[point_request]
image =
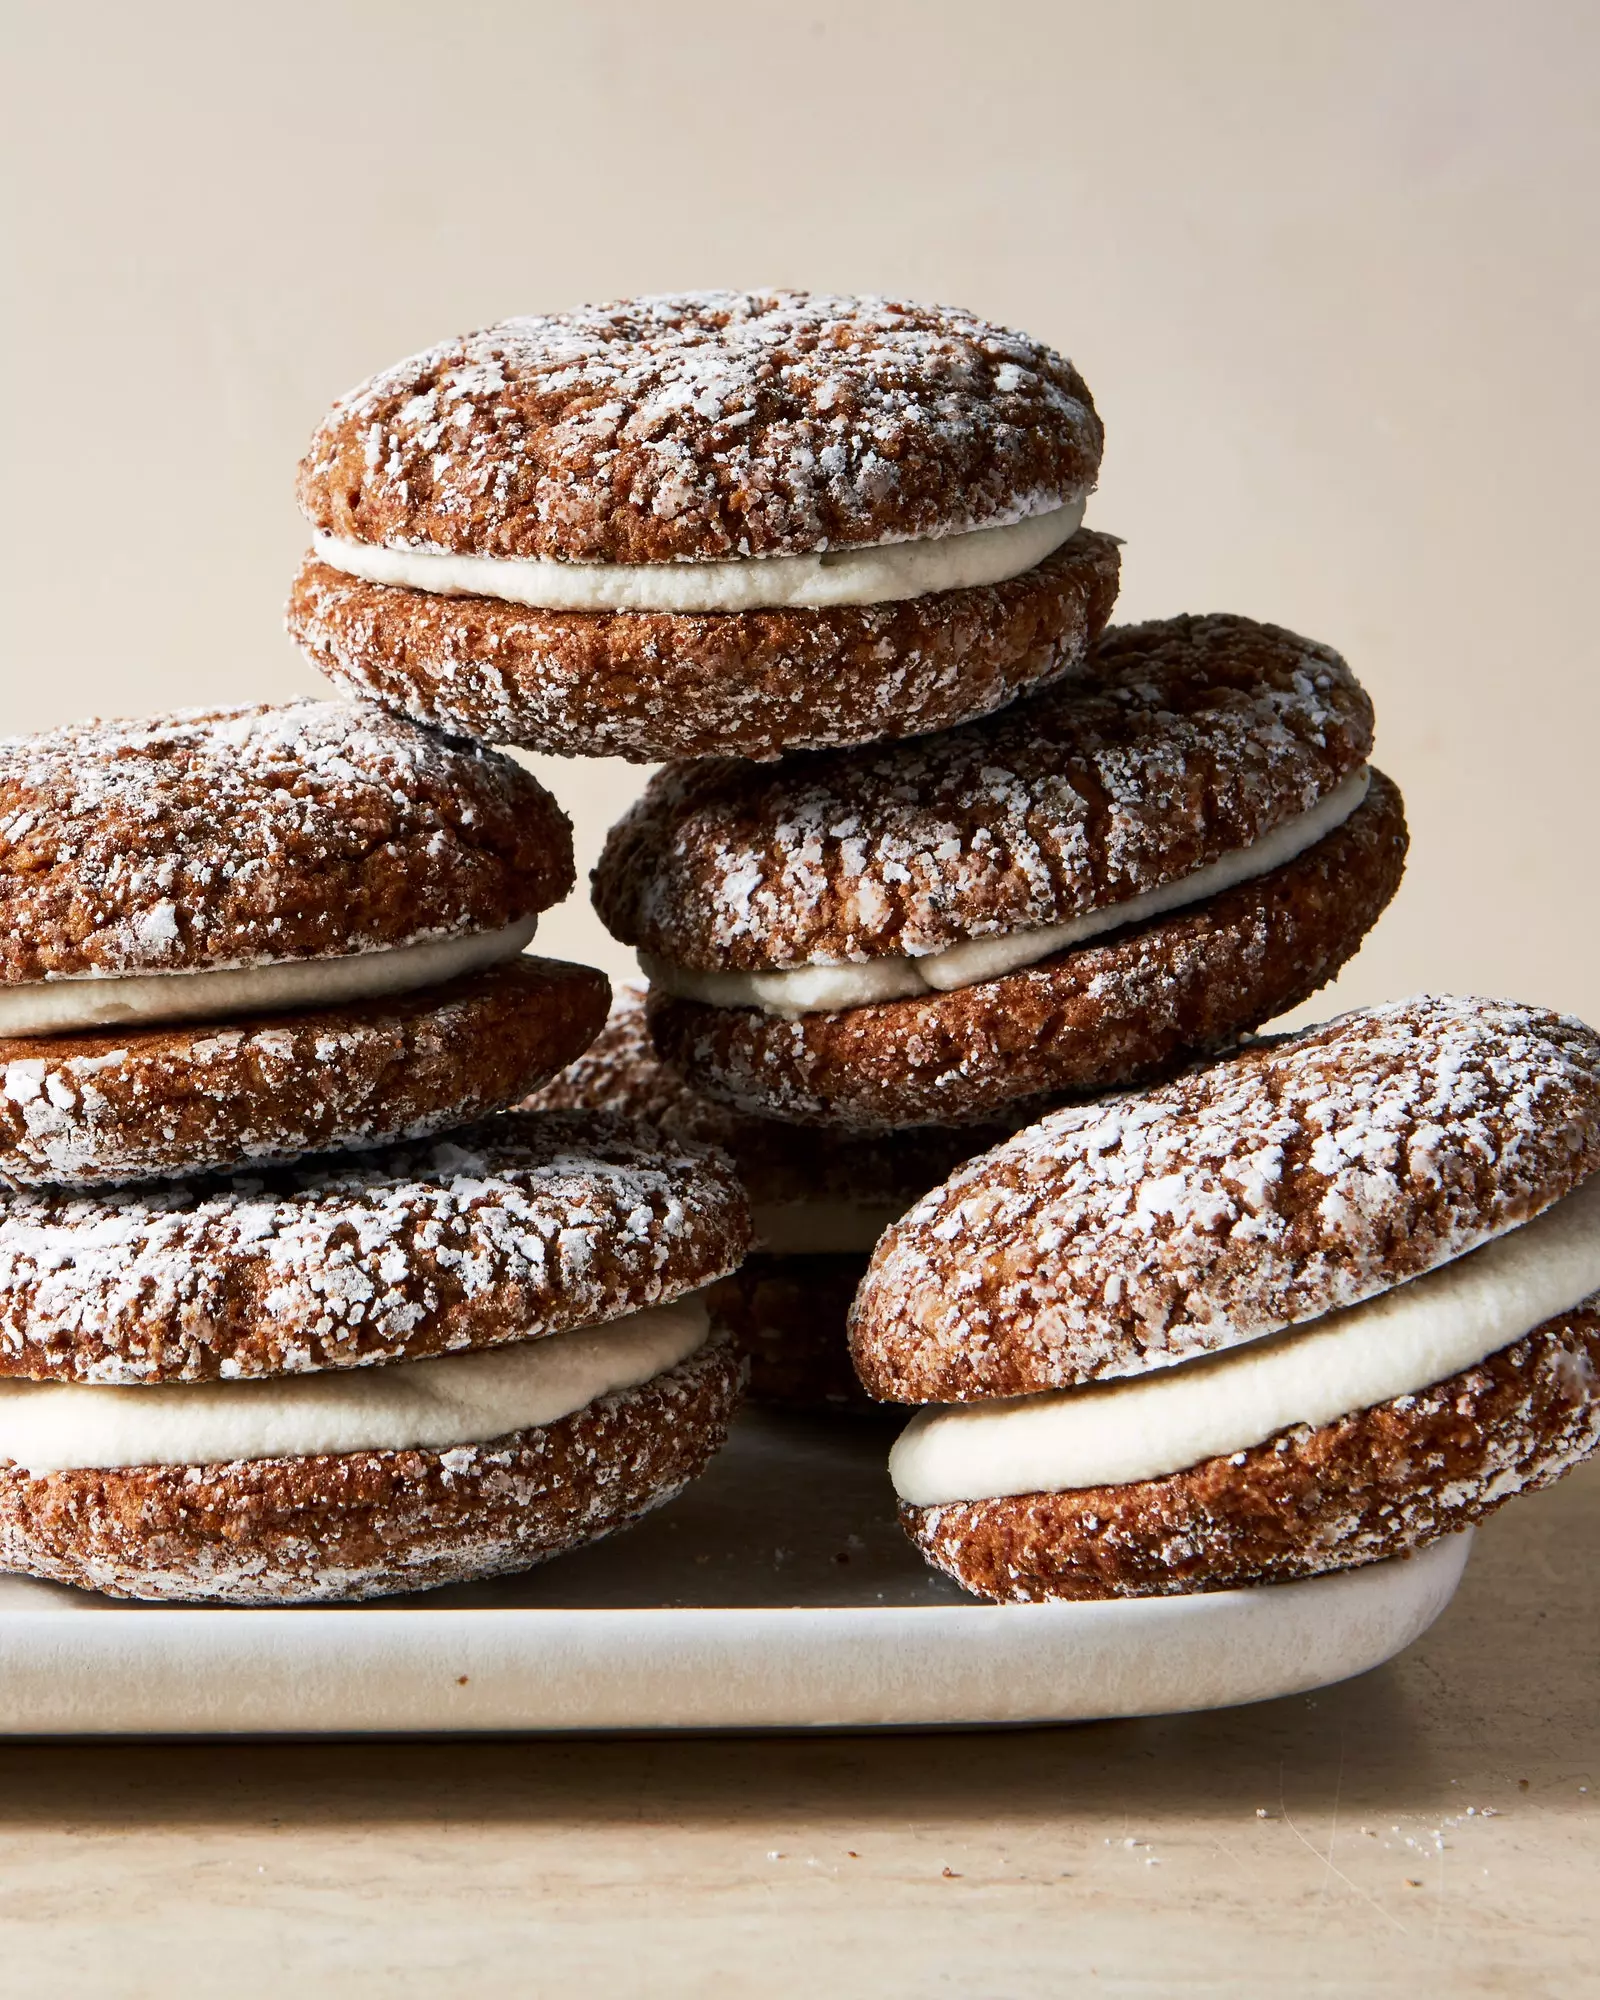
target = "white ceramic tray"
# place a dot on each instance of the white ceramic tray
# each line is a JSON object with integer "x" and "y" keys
{"x": 778, "y": 1593}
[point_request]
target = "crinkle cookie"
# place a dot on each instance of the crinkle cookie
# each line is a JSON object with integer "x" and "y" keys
{"x": 713, "y": 523}
{"x": 1302, "y": 1309}
{"x": 238, "y": 935}
{"x": 238, "y": 839}
{"x": 1088, "y": 889}
{"x": 704, "y": 425}
{"x": 651, "y": 684}
{"x": 1377, "y": 1483}
{"x": 338, "y": 1527}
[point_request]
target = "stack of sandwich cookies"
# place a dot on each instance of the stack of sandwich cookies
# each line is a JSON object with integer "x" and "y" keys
{"x": 819, "y": 1200}
{"x": 241, "y": 937}
{"x": 1107, "y": 878}
{"x": 250, "y": 934}
{"x": 406, "y": 1369}
{"x": 719, "y": 524}
{"x": 1306, "y": 1309}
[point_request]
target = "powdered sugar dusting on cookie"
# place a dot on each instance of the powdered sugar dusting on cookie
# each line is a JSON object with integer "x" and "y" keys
{"x": 1089, "y": 1020}
{"x": 1187, "y": 740}
{"x": 239, "y": 836}
{"x": 705, "y": 425}
{"x": 1302, "y": 1175}
{"x": 95, "y": 1110}
{"x": 511, "y": 1229}
{"x": 1374, "y": 1485}
{"x": 649, "y": 685}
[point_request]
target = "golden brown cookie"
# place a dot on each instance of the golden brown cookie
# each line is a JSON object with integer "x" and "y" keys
{"x": 1379, "y": 1483}
{"x": 651, "y": 684}
{"x": 1100, "y": 1015}
{"x": 522, "y": 1226}
{"x": 106, "y": 1108}
{"x": 250, "y": 836}
{"x": 703, "y": 426}
{"x": 354, "y": 1525}
{"x": 1305, "y": 1174}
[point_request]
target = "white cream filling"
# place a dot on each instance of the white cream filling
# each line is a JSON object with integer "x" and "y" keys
{"x": 115, "y": 1000}
{"x": 820, "y": 1228}
{"x": 433, "y": 1405}
{"x": 825, "y": 988}
{"x": 1394, "y": 1345}
{"x": 879, "y": 575}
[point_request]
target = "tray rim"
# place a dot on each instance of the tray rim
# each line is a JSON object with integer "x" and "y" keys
{"x": 173, "y": 1670}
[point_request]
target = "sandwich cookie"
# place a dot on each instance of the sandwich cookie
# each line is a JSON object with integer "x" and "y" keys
{"x": 1306, "y": 1309}
{"x": 411, "y": 1368}
{"x": 819, "y": 1201}
{"x": 239, "y": 935}
{"x": 1079, "y": 893}
{"x": 720, "y": 523}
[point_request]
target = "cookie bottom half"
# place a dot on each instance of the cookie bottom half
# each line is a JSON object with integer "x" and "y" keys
{"x": 1380, "y": 1483}
{"x": 110, "y": 1107}
{"x": 353, "y": 1525}
{"x": 652, "y": 685}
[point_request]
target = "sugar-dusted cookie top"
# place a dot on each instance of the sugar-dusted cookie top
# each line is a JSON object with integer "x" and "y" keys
{"x": 509, "y": 1230}
{"x": 1184, "y": 741}
{"x": 1304, "y": 1174}
{"x": 215, "y": 837}
{"x": 705, "y": 425}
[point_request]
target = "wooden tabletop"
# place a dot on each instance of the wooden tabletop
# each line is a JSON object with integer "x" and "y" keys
{"x": 1428, "y": 1828}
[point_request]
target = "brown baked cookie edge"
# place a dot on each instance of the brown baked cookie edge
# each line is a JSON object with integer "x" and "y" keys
{"x": 355, "y": 1525}
{"x": 107, "y": 1109}
{"x": 1097, "y": 1018}
{"x": 1181, "y": 743}
{"x": 209, "y": 840}
{"x": 1381, "y": 1483}
{"x": 647, "y": 685}
{"x": 779, "y": 1164}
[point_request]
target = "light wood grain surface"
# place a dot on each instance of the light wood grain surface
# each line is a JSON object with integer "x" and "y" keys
{"x": 1429, "y": 1828}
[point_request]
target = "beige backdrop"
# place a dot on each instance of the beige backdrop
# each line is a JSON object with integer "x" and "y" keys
{"x": 1329, "y": 269}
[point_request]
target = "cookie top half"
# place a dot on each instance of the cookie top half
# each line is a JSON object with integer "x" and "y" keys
{"x": 704, "y": 426}
{"x": 1305, "y": 1174}
{"x": 1186, "y": 740}
{"x": 508, "y": 1230}
{"x": 235, "y": 836}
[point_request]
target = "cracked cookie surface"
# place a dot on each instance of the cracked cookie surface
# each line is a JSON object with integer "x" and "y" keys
{"x": 705, "y": 425}
{"x": 242, "y": 836}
